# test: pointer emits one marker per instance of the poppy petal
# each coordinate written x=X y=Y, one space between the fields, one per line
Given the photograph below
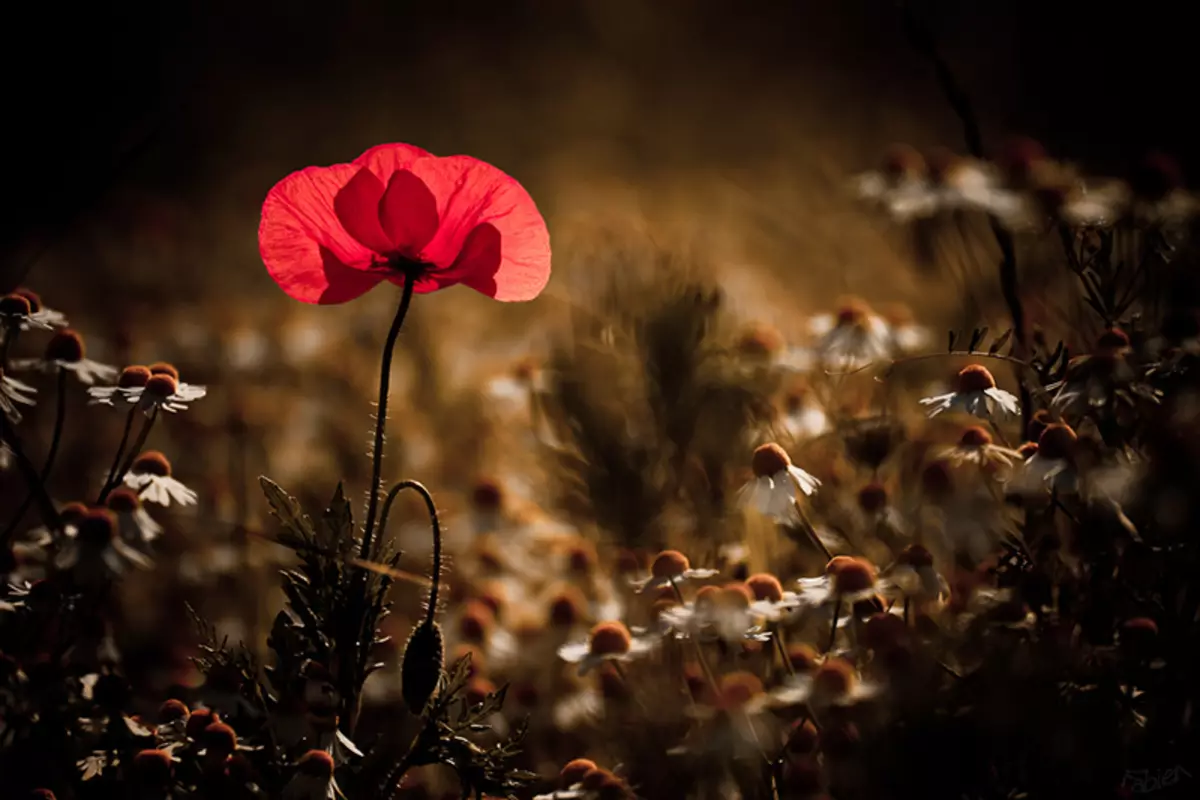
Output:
x=303 y=245
x=408 y=213
x=386 y=159
x=357 y=208
x=471 y=193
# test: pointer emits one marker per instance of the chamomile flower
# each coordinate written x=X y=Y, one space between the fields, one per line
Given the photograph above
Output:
x=772 y=490
x=834 y=683
x=12 y=393
x=976 y=447
x=913 y=575
x=1052 y=466
x=763 y=345
x=150 y=475
x=975 y=393
x=1100 y=381
x=771 y=600
x=135 y=525
x=23 y=312
x=847 y=579
x=851 y=338
x=608 y=641
x=801 y=416
x=93 y=549
x=65 y=350
x=157 y=386
x=313 y=778
x=670 y=568
x=900 y=186
x=717 y=614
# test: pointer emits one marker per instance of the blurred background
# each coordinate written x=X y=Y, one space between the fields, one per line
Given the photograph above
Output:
x=142 y=139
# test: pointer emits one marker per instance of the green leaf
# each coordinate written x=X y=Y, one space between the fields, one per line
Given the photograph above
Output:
x=1001 y=340
x=337 y=524
x=286 y=509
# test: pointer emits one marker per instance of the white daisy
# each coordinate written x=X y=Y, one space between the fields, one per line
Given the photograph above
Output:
x=717 y=614
x=913 y=575
x=608 y=641
x=313 y=778
x=150 y=474
x=670 y=568
x=135 y=524
x=772 y=490
x=976 y=447
x=93 y=550
x=975 y=394
x=23 y=311
x=149 y=389
x=12 y=392
x=65 y=350
x=1051 y=467
x=852 y=338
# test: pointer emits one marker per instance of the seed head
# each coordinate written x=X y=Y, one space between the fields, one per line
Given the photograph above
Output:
x=903 y=161
x=487 y=496
x=739 y=688
x=152 y=462
x=96 y=528
x=769 y=460
x=854 y=575
x=15 y=305
x=172 y=710
x=421 y=667
x=573 y=772
x=567 y=608
x=163 y=368
x=670 y=564
x=123 y=501
x=1057 y=442
x=316 y=764
x=765 y=586
x=220 y=738
x=975 y=378
x=803 y=658
x=65 y=345
x=161 y=385
x=834 y=678
x=134 y=377
x=153 y=768
x=975 y=436
x=803 y=737
x=610 y=639
x=873 y=498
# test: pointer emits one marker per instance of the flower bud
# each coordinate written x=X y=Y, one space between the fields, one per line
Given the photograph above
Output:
x=421 y=669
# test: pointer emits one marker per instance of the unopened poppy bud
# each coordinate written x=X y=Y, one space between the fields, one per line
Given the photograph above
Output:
x=66 y=346
x=15 y=305
x=872 y=498
x=670 y=564
x=152 y=462
x=160 y=385
x=123 y=501
x=1057 y=442
x=769 y=460
x=853 y=575
x=975 y=436
x=424 y=657
x=573 y=772
x=171 y=711
x=163 y=368
x=96 y=528
x=153 y=768
x=975 y=378
x=134 y=377
x=316 y=764
x=765 y=586
x=220 y=739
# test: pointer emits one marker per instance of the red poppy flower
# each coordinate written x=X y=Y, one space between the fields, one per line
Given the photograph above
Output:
x=328 y=234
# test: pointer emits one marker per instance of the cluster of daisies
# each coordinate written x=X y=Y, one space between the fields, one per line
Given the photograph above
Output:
x=1023 y=186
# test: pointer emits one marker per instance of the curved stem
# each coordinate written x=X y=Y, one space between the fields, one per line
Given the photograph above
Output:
x=435 y=577
x=60 y=416
x=30 y=474
x=385 y=375
x=116 y=462
x=134 y=452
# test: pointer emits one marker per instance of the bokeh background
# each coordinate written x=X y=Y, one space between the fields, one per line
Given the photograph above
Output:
x=141 y=140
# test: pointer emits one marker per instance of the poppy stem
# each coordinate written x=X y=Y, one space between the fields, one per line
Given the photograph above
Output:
x=116 y=462
x=385 y=375
x=60 y=415
x=134 y=452
x=435 y=577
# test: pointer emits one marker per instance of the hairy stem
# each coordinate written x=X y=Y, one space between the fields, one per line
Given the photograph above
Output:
x=385 y=376
x=435 y=577
x=60 y=416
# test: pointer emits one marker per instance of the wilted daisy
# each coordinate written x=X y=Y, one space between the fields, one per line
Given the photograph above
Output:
x=976 y=447
x=852 y=337
x=12 y=392
x=94 y=550
x=772 y=490
x=65 y=350
x=313 y=778
x=19 y=313
x=150 y=475
x=670 y=568
x=975 y=393
x=608 y=641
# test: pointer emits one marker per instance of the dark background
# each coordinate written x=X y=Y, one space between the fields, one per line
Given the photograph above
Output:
x=171 y=97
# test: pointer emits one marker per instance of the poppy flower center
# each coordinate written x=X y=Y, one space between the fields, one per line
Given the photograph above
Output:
x=670 y=564
x=1057 y=442
x=133 y=377
x=573 y=771
x=316 y=764
x=769 y=460
x=15 y=305
x=975 y=436
x=872 y=498
x=765 y=587
x=152 y=462
x=975 y=378
x=161 y=386
x=610 y=639
x=66 y=346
